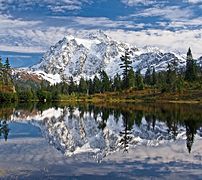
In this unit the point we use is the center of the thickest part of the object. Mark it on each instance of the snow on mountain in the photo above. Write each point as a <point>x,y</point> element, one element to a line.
<point>87,54</point>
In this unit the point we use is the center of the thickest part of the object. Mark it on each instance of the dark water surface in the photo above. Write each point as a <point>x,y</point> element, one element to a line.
<point>111,141</point>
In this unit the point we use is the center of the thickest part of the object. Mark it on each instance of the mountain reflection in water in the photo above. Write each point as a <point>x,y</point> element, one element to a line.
<point>96,131</point>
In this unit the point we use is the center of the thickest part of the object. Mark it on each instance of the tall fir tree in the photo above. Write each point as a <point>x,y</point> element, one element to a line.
<point>126,66</point>
<point>191,68</point>
<point>72,85</point>
<point>1,64</point>
<point>7,64</point>
<point>83,86</point>
<point>116,83</point>
<point>169,75</point>
<point>90,86</point>
<point>139,80</point>
<point>154,79</point>
<point>148,77</point>
<point>105,81</point>
<point>131,78</point>
<point>96,85</point>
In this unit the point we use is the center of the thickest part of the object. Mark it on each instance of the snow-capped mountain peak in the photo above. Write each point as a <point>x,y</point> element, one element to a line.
<point>87,54</point>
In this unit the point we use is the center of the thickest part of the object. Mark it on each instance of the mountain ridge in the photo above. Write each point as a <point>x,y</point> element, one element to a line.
<point>87,54</point>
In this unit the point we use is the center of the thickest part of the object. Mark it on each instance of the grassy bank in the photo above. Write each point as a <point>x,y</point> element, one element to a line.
<point>146,95</point>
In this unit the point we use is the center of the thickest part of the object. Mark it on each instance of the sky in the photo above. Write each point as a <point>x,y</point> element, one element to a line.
<point>32,26</point>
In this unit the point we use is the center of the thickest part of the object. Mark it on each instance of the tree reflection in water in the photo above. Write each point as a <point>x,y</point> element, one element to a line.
<point>4,129</point>
<point>111,127</point>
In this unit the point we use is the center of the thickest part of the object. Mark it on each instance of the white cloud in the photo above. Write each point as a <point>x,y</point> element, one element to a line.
<point>102,22</point>
<point>186,23</point>
<point>53,5</point>
<point>8,22</point>
<point>169,12</point>
<point>194,1</point>
<point>136,2</point>
<point>178,41</point>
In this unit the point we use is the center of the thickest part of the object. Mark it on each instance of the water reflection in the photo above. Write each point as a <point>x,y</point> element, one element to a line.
<point>96,131</point>
<point>4,130</point>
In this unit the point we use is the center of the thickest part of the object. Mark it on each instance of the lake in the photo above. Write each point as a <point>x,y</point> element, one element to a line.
<point>101,141</point>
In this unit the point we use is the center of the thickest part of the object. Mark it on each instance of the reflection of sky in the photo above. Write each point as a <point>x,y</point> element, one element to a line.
<point>32,26</point>
<point>23,130</point>
<point>33,158</point>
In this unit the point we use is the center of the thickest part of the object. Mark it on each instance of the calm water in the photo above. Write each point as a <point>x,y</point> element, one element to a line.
<point>111,141</point>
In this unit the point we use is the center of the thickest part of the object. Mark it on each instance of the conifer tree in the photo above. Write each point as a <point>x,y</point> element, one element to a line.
<point>105,82</point>
<point>190,73</point>
<point>153,77</point>
<point>82,85</point>
<point>131,78</point>
<point>97,85</point>
<point>90,86</point>
<point>139,80</point>
<point>148,78</point>
<point>169,75</point>
<point>126,66</point>
<point>117,83</point>
<point>72,86</point>
<point>7,64</point>
<point>1,64</point>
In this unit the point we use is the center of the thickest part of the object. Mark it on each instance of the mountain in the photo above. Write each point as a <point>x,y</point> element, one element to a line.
<point>87,54</point>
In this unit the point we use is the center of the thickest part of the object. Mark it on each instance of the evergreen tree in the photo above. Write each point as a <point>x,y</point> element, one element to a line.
<point>7,64</point>
<point>72,86</point>
<point>105,82</point>
<point>180,83</point>
<point>1,64</point>
<point>191,68</point>
<point>169,75</point>
<point>90,86</point>
<point>139,80</point>
<point>126,66</point>
<point>97,85</point>
<point>153,80</point>
<point>131,78</point>
<point>83,86</point>
<point>117,83</point>
<point>148,77</point>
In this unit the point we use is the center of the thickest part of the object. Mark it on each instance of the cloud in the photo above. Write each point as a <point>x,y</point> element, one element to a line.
<point>167,17</point>
<point>170,13</point>
<point>9,22</point>
<point>136,2</point>
<point>194,1</point>
<point>178,41</point>
<point>102,22</point>
<point>52,5</point>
